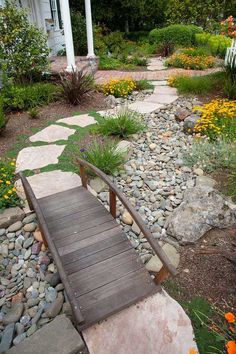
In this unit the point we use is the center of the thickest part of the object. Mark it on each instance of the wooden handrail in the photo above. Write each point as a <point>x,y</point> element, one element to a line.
<point>33,203</point>
<point>113,190</point>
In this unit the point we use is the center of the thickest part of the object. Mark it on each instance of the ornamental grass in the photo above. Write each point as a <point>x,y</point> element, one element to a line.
<point>119,87</point>
<point>218,118</point>
<point>8,195</point>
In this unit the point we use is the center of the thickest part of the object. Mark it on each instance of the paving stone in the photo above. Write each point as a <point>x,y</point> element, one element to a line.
<point>159,98</point>
<point>165,90</point>
<point>82,120</point>
<point>144,107</point>
<point>141,321</point>
<point>158,83</point>
<point>35,157</point>
<point>48,183</point>
<point>52,133</point>
<point>57,337</point>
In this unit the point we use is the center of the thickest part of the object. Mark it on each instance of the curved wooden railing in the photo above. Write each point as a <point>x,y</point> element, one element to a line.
<point>114,192</point>
<point>34,205</point>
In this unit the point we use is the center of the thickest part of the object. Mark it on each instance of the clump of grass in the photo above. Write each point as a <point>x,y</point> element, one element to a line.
<point>198,85</point>
<point>104,155</point>
<point>33,113</point>
<point>211,156</point>
<point>143,85</point>
<point>122,124</point>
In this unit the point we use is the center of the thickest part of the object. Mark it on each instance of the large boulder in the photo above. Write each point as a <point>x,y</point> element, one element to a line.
<point>190,122</point>
<point>202,209</point>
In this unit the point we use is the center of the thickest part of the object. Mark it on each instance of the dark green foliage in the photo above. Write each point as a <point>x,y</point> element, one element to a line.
<point>199,85</point>
<point>122,124</point>
<point>16,98</point>
<point>107,63</point>
<point>79,33</point>
<point>3,120</point>
<point>103,155</point>
<point>76,86</point>
<point>230,82</point>
<point>179,35</point>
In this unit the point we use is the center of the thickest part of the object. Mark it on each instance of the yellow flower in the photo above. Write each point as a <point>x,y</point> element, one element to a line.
<point>8,182</point>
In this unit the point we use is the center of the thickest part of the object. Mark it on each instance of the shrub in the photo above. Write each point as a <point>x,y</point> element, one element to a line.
<point>119,87</point>
<point>197,85</point>
<point>217,118</point>
<point>28,96</point>
<point>8,195</point>
<point>76,86</point>
<point>23,47</point>
<point>211,156</point>
<point>103,155</point>
<point>196,52</point>
<point>166,48</point>
<point>143,85</point>
<point>216,44</point>
<point>181,60</point>
<point>78,24</point>
<point>3,120</point>
<point>109,63</point>
<point>179,35</point>
<point>122,124</point>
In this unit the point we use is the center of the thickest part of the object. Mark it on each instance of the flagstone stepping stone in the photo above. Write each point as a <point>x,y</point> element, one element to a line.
<point>145,107</point>
<point>158,83</point>
<point>52,133</point>
<point>47,183</point>
<point>158,99</point>
<point>155,64</point>
<point>157,324</point>
<point>165,90</point>
<point>82,120</point>
<point>35,157</point>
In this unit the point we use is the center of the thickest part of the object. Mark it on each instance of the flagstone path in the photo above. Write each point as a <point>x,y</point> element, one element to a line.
<point>157,324</point>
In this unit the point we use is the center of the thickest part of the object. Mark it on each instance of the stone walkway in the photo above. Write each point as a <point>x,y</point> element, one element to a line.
<point>159,322</point>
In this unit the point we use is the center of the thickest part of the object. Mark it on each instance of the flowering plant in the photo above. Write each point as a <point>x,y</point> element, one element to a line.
<point>217,118</point>
<point>8,195</point>
<point>228,27</point>
<point>189,61</point>
<point>119,87</point>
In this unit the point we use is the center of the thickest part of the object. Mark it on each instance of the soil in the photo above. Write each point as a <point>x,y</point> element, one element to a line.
<point>210,276</point>
<point>20,123</point>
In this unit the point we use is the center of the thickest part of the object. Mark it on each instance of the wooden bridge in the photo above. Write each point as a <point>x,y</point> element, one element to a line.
<point>101,272</point>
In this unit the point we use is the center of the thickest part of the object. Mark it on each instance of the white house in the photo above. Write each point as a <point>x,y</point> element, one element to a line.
<point>53,16</point>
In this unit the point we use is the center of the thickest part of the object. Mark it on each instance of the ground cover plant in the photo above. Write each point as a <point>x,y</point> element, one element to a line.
<point>198,85</point>
<point>119,87</point>
<point>122,124</point>
<point>217,118</point>
<point>104,155</point>
<point>191,59</point>
<point>8,195</point>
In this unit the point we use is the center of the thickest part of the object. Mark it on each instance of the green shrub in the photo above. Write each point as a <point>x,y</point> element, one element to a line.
<point>143,85</point>
<point>106,63</point>
<point>104,155</point>
<point>140,36</point>
<point>3,120</point>
<point>216,44</point>
<point>196,52</point>
<point>211,156</point>
<point>23,47</point>
<point>79,33</point>
<point>28,96</point>
<point>122,124</point>
<point>8,195</point>
<point>76,86</point>
<point>198,85</point>
<point>179,35</point>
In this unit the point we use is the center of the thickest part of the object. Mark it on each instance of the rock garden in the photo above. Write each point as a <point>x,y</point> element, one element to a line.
<point>170,147</point>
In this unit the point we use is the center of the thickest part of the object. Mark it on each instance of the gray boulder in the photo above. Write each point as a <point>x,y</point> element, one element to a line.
<point>190,122</point>
<point>202,209</point>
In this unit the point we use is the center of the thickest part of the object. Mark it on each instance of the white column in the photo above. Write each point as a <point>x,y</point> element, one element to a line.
<point>89,26</point>
<point>65,12</point>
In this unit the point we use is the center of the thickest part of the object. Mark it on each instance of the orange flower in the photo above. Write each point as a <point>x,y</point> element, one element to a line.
<point>192,351</point>
<point>231,347</point>
<point>229,316</point>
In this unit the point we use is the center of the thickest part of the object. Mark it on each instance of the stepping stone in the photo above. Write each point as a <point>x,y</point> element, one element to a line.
<point>156,67</point>
<point>165,90</point>
<point>144,107</point>
<point>109,111</point>
<point>35,157</point>
<point>158,83</point>
<point>158,99</point>
<point>52,133</point>
<point>157,324</point>
<point>82,120</point>
<point>57,337</point>
<point>48,183</point>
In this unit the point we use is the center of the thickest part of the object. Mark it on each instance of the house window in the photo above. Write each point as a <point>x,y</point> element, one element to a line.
<point>56,13</point>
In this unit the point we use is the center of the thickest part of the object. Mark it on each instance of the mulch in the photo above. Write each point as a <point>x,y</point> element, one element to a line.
<point>210,276</point>
<point>19,123</point>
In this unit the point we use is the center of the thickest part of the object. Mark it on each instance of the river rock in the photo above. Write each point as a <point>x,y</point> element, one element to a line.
<point>7,337</point>
<point>127,218</point>
<point>55,307</point>
<point>30,227</point>
<point>18,339</point>
<point>15,227</point>
<point>202,209</point>
<point>10,216</point>
<point>14,313</point>
<point>190,122</point>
